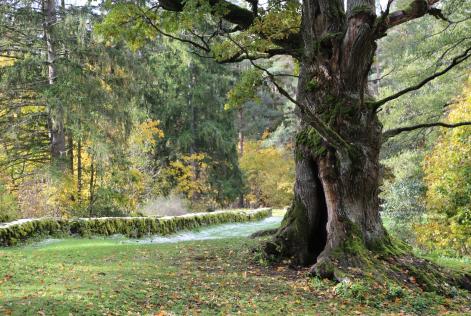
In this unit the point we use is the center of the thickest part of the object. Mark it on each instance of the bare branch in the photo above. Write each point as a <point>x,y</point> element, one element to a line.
<point>449,49</point>
<point>383,76</point>
<point>396,131</point>
<point>183,40</point>
<point>438,14</point>
<point>455,62</point>
<point>242,55</point>
<point>328,134</point>
<point>9,56</point>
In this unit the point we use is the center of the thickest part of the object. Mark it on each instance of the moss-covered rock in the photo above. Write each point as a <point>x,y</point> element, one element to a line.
<point>134,227</point>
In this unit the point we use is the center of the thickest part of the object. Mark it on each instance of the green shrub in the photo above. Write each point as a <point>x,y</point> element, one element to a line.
<point>394,291</point>
<point>421,304</point>
<point>8,206</point>
<point>352,290</point>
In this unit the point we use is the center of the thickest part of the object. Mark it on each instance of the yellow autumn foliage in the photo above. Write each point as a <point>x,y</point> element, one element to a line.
<point>147,133</point>
<point>115,187</point>
<point>190,175</point>
<point>269,172</point>
<point>448,178</point>
<point>6,61</point>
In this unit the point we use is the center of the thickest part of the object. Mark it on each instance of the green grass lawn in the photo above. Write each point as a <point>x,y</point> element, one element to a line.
<point>105,277</point>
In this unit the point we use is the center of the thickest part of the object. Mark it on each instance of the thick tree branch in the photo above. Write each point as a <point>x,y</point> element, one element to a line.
<point>455,62</point>
<point>233,13</point>
<point>416,9</point>
<point>241,17</point>
<point>396,131</point>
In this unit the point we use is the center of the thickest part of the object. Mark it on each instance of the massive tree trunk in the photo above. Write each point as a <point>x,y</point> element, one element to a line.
<point>336,205</point>
<point>334,223</point>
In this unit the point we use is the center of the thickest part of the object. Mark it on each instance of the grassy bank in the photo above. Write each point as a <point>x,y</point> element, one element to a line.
<point>104,277</point>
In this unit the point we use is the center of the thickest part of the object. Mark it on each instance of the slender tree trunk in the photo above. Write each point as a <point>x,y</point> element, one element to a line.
<point>92,186</point>
<point>193,121</point>
<point>336,203</point>
<point>70,151</point>
<point>241,203</point>
<point>56,115</point>
<point>79,171</point>
<point>241,130</point>
<point>191,106</point>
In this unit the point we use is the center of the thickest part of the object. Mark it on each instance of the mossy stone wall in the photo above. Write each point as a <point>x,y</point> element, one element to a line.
<point>19,231</point>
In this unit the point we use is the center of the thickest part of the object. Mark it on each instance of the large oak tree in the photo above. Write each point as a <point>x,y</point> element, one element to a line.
<point>334,220</point>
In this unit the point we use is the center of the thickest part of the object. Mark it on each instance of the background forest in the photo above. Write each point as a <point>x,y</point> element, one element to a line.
<point>95,122</point>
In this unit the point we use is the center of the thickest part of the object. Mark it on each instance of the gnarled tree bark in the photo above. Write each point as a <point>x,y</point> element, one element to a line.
<point>336,191</point>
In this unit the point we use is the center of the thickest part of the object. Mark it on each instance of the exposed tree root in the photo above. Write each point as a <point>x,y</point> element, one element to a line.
<point>265,232</point>
<point>406,269</point>
<point>394,262</point>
